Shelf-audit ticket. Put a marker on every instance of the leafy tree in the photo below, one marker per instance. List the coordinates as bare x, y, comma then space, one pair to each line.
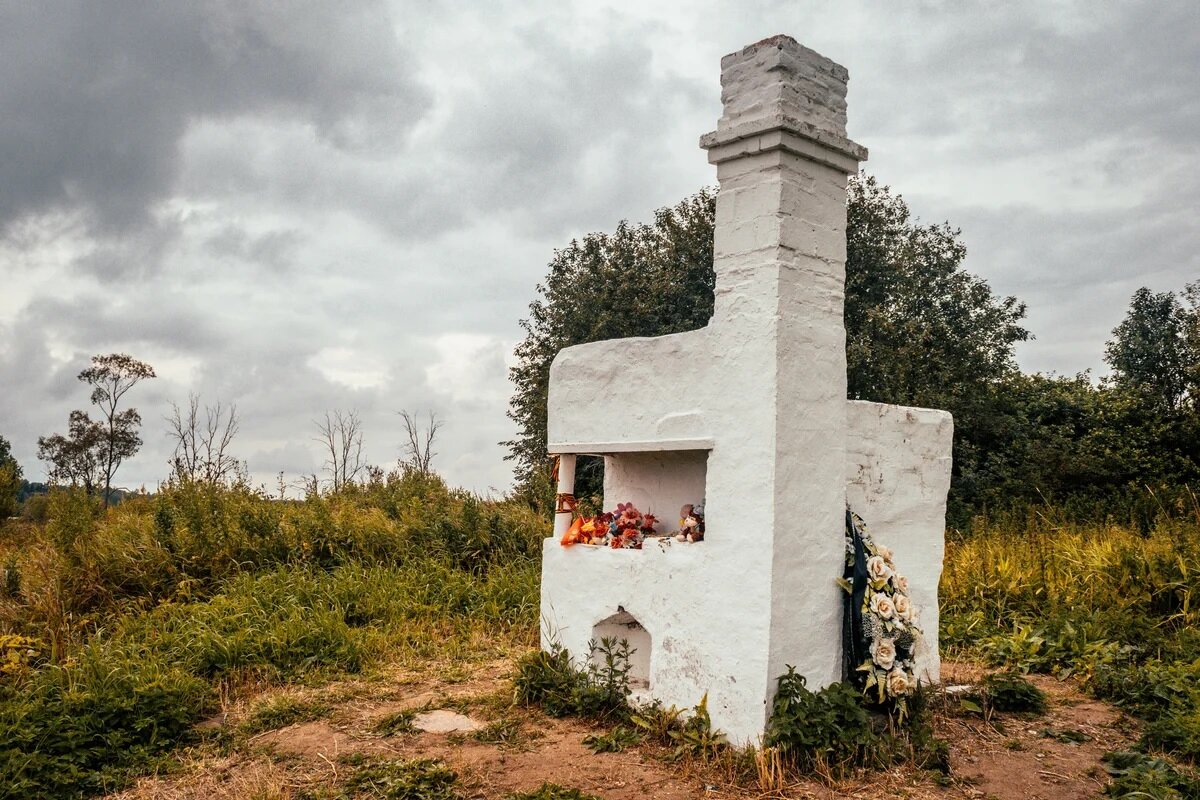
10, 480
640, 280
1191, 339
1148, 353
920, 330
74, 458
93, 450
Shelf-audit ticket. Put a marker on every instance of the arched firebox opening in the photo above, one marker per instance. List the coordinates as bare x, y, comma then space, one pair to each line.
624, 626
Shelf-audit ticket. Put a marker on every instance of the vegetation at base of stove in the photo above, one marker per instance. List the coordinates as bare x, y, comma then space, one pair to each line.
832, 731
825, 733
599, 691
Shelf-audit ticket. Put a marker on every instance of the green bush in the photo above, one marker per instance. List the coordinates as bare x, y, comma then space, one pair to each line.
416, 779
1137, 776
829, 726
551, 680
36, 508
615, 741
833, 729
1005, 691
83, 728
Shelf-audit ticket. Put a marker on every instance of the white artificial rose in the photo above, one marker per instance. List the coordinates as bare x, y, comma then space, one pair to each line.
904, 606
878, 569
898, 682
882, 605
884, 552
883, 652
901, 583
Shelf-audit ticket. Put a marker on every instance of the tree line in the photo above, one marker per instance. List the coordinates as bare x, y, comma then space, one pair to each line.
91, 452
921, 330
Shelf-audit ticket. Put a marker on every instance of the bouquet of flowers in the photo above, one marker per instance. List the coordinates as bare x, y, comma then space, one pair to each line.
881, 631
624, 528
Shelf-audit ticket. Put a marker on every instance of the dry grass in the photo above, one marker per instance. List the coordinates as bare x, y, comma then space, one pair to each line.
237, 778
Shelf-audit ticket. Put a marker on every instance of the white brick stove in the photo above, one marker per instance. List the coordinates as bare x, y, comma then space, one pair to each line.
749, 414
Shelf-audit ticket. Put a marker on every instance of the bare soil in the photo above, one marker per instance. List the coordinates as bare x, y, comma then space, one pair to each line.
1055, 756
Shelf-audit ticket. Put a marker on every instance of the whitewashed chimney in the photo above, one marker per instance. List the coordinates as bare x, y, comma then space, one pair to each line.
750, 416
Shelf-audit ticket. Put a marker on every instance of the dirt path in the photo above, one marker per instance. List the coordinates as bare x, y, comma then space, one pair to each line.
1051, 757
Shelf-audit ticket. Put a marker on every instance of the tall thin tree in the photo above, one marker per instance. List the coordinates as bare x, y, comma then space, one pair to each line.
341, 435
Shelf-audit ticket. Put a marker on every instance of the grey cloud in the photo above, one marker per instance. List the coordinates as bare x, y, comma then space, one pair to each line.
1026, 77
1077, 269
276, 249
140, 318
97, 96
537, 135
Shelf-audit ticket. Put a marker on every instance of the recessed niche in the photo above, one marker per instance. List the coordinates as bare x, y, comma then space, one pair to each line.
624, 625
657, 482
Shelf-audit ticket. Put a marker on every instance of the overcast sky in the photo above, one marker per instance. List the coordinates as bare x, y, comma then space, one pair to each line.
297, 207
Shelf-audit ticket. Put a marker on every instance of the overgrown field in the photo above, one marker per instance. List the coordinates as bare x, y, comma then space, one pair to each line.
1115, 608
118, 633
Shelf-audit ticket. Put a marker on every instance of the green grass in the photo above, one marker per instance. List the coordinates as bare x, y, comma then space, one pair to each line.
508, 734
279, 711
395, 724
415, 779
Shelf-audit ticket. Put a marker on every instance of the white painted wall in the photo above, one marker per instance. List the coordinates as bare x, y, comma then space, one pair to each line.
897, 478
766, 403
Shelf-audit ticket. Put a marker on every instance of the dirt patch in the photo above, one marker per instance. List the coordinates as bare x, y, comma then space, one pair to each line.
1055, 756
559, 756
317, 740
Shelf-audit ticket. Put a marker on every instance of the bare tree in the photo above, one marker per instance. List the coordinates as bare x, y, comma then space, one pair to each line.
202, 442
342, 437
419, 447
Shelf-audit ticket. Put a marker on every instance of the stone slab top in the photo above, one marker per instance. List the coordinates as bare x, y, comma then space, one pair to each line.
650, 446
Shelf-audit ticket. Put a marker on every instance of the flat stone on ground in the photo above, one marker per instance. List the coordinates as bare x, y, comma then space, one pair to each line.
445, 721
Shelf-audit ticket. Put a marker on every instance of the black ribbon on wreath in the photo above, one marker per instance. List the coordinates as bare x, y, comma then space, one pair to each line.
856, 647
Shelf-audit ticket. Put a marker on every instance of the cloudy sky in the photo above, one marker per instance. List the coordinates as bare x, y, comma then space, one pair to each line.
301, 206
